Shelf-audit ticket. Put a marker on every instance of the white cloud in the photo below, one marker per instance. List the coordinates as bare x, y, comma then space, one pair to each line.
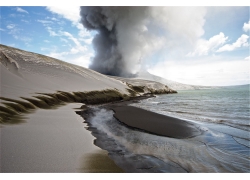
64, 40
10, 26
203, 47
22, 38
23, 20
88, 41
51, 32
241, 42
21, 10
77, 54
83, 32
71, 13
44, 21
247, 58
52, 18
2, 29
215, 72
13, 30
81, 59
246, 26
78, 47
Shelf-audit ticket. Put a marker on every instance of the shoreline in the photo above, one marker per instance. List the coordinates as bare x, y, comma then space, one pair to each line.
34, 88
143, 120
137, 163
155, 123
135, 149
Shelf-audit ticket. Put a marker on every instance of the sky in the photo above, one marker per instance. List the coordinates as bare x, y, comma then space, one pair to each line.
209, 45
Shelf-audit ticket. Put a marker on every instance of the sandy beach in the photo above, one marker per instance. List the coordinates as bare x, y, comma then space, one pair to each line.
52, 141
40, 130
58, 117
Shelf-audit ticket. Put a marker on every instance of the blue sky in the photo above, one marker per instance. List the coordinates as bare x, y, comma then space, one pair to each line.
218, 54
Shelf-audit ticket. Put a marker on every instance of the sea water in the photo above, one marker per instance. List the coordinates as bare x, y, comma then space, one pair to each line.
228, 105
222, 115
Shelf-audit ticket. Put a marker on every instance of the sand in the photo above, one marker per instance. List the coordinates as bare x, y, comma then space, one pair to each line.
155, 123
52, 141
40, 131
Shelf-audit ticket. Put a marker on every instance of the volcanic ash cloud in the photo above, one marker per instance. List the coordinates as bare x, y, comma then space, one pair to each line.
127, 35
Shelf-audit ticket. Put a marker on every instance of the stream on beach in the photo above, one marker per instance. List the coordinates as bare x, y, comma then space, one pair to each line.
222, 115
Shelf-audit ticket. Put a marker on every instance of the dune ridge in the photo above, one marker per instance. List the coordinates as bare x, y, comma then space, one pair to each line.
30, 81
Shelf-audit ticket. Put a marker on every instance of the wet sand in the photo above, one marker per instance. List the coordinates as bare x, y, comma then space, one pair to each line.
155, 123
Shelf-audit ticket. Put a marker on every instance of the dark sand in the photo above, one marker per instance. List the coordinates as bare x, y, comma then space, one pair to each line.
155, 123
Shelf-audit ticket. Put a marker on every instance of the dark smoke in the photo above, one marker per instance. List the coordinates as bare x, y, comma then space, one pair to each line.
128, 37
108, 57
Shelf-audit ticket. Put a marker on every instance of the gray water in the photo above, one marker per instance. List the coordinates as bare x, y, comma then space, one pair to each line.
222, 115
229, 105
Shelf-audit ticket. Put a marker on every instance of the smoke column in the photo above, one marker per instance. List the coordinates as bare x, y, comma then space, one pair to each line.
127, 35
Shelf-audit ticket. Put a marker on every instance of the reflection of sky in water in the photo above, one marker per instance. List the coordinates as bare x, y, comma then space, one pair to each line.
210, 152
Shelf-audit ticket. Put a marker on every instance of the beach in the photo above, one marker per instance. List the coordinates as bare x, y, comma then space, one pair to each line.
58, 117
52, 141
40, 130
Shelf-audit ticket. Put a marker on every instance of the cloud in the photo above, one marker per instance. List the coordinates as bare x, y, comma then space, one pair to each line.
64, 40
87, 41
128, 36
52, 18
241, 42
78, 47
214, 72
247, 58
44, 22
203, 47
22, 38
51, 32
68, 12
2, 29
13, 29
21, 10
10, 26
23, 20
246, 26
81, 59
75, 54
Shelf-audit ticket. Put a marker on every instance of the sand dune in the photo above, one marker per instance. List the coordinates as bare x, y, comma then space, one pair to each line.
37, 89
30, 80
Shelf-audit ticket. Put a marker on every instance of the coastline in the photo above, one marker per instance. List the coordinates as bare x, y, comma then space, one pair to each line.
40, 132
41, 99
136, 150
130, 162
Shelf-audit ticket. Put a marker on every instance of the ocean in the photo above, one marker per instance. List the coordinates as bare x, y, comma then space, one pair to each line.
228, 106
221, 113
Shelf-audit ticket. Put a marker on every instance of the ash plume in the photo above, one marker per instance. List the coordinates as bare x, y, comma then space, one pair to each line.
127, 36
